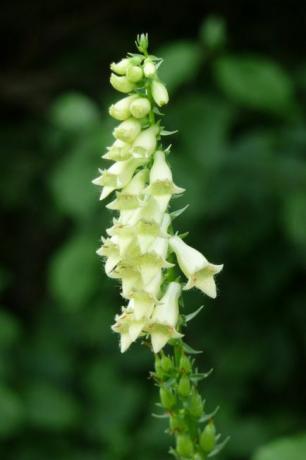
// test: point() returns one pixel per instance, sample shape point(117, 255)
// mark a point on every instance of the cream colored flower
point(165, 317)
point(121, 84)
point(199, 272)
point(161, 185)
point(159, 93)
point(145, 143)
point(116, 177)
point(128, 327)
point(121, 109)
point(128, 130)
point(119, 151)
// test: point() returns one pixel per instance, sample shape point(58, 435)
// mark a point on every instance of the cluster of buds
point(141, 238)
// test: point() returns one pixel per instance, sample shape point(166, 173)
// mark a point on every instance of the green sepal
point(219, 447)
point(178, 212)
point(209, 416)
point(193, 314)
point(190, 350)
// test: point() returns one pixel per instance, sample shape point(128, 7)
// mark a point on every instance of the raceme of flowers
point(139, 246)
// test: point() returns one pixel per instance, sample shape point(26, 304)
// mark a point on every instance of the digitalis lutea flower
point(117, 176)
point(121, 109)
point(145, 143)
point(199, 272)
point(164, 319)
point(161, 185)
point(118, 151)
point(128, 130)
point(121, 84)
point(128, 327)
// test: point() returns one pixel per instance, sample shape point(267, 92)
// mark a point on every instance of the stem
point(177, 379)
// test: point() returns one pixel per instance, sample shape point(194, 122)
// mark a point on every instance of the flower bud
point(208, 437)
point(121, 84)
point(149, 68)
point(120, 67)
point(184, 386)
point(185, 364)
point(145, 144)
point(166, 363)
point(184, 446)
point(121, 109)
point(134, 73)
point(196, 405)
point(167, 398)
point(159, 93)
point(176, 423)
point(140, 107)
point(128, 130)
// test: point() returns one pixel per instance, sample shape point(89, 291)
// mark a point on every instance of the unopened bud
point(185, 364)
point(208, 437)
point(121, 109)
point(166, 363)
point(167, 398)
point(196, 405)
point(149, 68)
point(140, 107)
point(176, 423)
point(134, 73)
point(120, 67)
point(184, 446)
point(159, 93)
point(128, 130)
point(121, 84)
point(184, 386)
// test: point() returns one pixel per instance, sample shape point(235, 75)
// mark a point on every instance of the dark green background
point(237, 96)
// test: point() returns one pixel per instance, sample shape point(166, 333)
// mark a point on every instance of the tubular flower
point(143, 252)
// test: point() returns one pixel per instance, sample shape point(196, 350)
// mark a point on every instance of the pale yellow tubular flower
point(128, 327)
point(164, 319)
point(145, 143)
point(121, 84)
point(118, 151)
point(127, 130)
point(198, 271)
point(117, 176)
point(121, 109)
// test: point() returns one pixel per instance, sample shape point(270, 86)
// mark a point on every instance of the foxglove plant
point(143, 251)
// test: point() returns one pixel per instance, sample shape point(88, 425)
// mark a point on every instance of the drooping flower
point(199, 272)
point(165, 318)
point(159, 93)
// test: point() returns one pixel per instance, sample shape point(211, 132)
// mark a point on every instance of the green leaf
point(74, 270)
point(73, 112)
point(255, 82)
point(283, 449)
point(9, 329)
point(213, 32)
point(50, 407)
point(182, 61)
point(11, 412)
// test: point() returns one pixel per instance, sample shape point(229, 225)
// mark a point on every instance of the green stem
point(177, 379)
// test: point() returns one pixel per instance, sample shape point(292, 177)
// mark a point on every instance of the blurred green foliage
point(66, 392)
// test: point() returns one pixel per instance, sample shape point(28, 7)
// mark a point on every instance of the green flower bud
point(184, 386)
point(185, 364)
point(128, 130)
point(121, 109)
point(195, 406)
point(134, 73)
point(158, 367)
point(159, 93)
point(121, 84)
point(149, 68)
point(167, 398)
point(176, 424)
point(166, 363)
point(120, 67)
point(208, 437)
point(140, 107)
point(184, 446)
